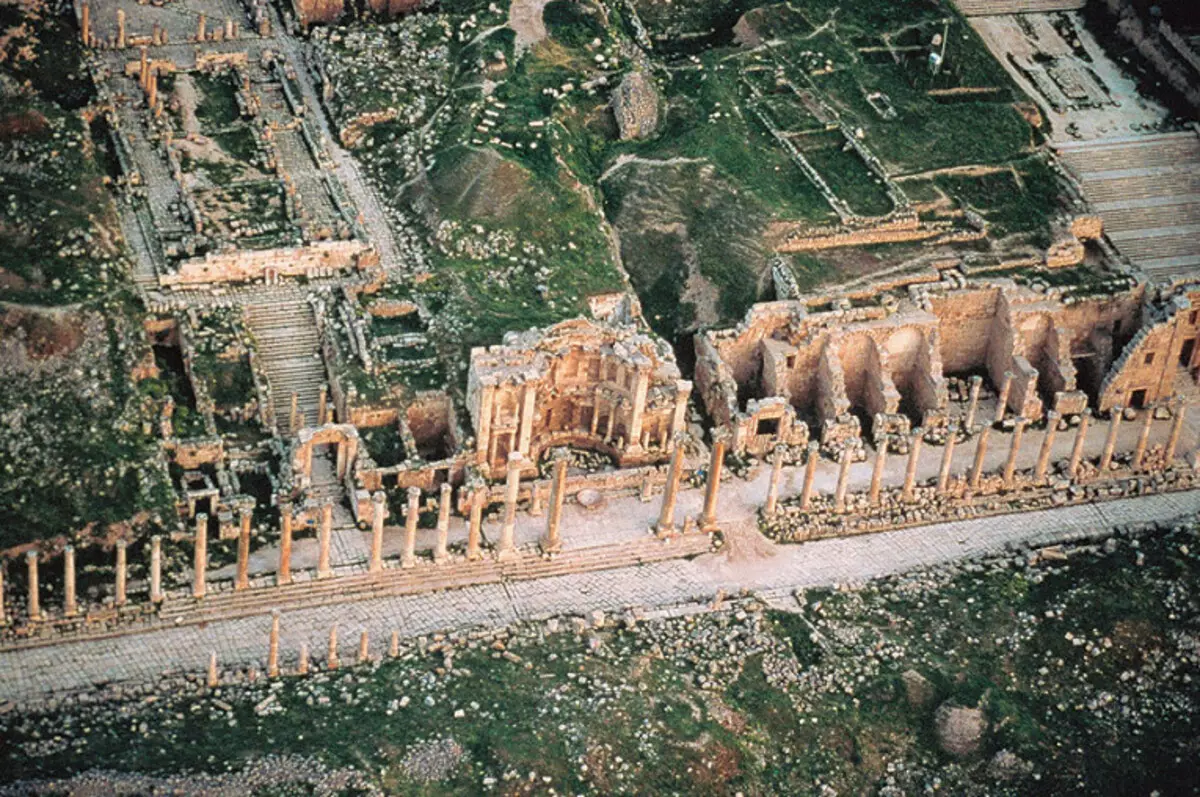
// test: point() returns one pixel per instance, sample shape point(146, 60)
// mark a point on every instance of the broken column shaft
point(408, 557)
point(1110, 442)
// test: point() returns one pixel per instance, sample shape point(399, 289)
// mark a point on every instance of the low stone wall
point(312, 260)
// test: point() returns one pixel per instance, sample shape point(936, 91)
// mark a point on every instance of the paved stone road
point(758, 565)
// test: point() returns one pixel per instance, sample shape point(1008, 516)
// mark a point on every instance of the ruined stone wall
point(965, 321)
point(318, 11)
point(248, 265)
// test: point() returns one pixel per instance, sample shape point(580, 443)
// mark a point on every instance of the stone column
point(475, 524)
point(507, 548)
point(1080, 439)
point(200, 29)
point(1176, 428)
point(1139, 453)
point(810, 472)
point(1043, 460)
point(302, 664)
point(843, 482)
point(324, 541)
point(122, 579)
point(910, 472)
point(323, 406)
point(364, 647)
point(1110, 442)
point(412, 514)
point(85, 25)
point(441, 553)
point(666, 516)
point(3, 610)
point(35, 606)
point(1002, 399)
point(877, 471)
point(156, 593)
point(708, 518)
point(284, 574)
point(558, 493)
point(144, 69)
point(273, 647)
point(1014, 448)
point(120, 29)
point(773, 485)
point(242, 581)
point(213, 678)
point(331, 658)
point(70, 607)
point(947, 459)
point(535, 499)
point(378, 510)
point(394, 646)
point(200, 557)
point(973, 405)
point(981, 444)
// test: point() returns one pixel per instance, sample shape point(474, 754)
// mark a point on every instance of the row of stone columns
point(975, 473)
point(70, 597)
point(333, 660)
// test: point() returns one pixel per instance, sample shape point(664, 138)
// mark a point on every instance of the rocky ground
point(1069, 672)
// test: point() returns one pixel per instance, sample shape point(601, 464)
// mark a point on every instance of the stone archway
point(343, 435)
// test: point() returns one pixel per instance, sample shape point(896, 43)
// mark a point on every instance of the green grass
point(668, 709)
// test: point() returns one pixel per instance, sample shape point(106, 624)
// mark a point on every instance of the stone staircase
point(285, 334)
point(1147, 190)
point(307, 592)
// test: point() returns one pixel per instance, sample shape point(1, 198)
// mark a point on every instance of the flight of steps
point(285, 334)
point(988, 8)
point(426, 577)
point(1147, 190)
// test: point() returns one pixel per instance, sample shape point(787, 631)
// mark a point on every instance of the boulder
point(959, 729)
point(635, 106)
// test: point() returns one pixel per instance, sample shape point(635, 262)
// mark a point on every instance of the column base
point(507, 555)
point(708, 525)
point(441, 557)
point(551, 547)
point(375, 567)
point(282, 581)
point(323, 574)
point(408, 562)
point(664, 531)
point(475, 556)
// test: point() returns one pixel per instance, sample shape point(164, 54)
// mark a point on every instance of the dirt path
point(525, 18)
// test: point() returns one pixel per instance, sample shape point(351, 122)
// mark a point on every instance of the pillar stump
point(881, 453)
point(843, 482)
point(552, 542)
point(475, 524)
point(200, 557)
point(910, 472)
point(156, 592)
point(772, 501)
point(981, 444)
point(242, 581)
point(810, 473)
point(973, 402)
point(412, 514)
point(70, 607)
point(666, 516)
point(1085, 419)
point(1176, 427)
point(378, 511)
point(441, 552)
point(324, 541)
point(1044, 453)
point(1002, 399)
point(708, 518)
point(284, 574)
point(507, 548)
point(1014, 448)
point(1110, 442)
point(943, 485)
point(122, 578)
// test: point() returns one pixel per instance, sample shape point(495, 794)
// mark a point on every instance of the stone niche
point(604, 385)
point(877, 364)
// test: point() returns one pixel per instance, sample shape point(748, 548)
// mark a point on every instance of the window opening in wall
point(1149, 359)
point(767, 426)
point(1137, 399)
point(1186, 351)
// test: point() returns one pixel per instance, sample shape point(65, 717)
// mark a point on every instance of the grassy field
point(1085, 673)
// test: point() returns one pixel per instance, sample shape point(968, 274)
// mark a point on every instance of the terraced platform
point(1147, 189)
point(992, 8)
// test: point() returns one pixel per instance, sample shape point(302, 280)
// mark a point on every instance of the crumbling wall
point(247, 265)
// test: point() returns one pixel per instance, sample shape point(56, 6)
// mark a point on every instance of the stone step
point(424, 578)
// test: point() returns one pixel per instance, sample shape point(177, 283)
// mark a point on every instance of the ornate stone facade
point(602, 385)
